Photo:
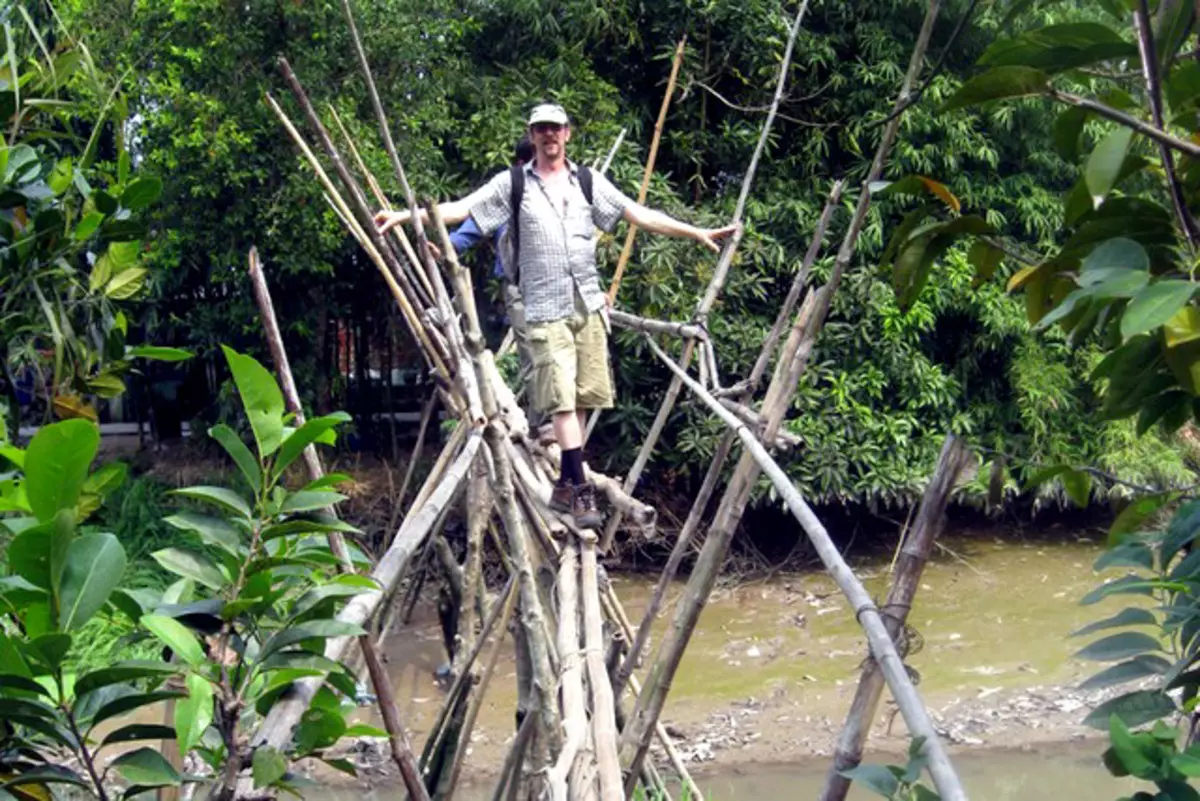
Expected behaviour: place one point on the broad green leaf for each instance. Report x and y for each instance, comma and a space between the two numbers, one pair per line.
10, 682
261, 399
1112, 257
194, 566
1067, 130
999, 83
1139, 667
61, 176
157, 353
106, 479
1155, 305
319, 728
1056, 48
193, 714
1183, 528
1127, 554
305, 631
1118, 647
1104, 165
268, 766
145, 767
50, 649
1132, 752
56, 465
1187, 764
125, 284
1135, 709
176, 637
129, 670
212, 530
241, 455
95, 565
310, 501
127, 703
221, 496
363, 730
302, 437
39, 552
1137, 513
86, 227
291, 527
17, 707
876, 778
141, 193
42, 774
1184, 327
1127, 585
1131, 616
985, 259
326, 481
917, 185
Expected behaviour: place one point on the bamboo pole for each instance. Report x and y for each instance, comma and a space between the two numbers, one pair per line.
479, 513
883, 650
401, 750
627, 249
931, 517
724, 447
604, 716
570, 676
715, 284
647, 325
737, 494
612, 151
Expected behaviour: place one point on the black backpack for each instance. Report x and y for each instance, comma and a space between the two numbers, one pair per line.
517, 174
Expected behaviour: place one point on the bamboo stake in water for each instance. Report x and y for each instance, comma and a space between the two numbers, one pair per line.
883, 649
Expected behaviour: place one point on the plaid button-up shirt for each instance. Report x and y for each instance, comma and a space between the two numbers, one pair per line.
558, 249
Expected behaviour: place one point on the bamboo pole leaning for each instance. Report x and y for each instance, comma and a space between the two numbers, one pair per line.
627, 248
715, 284
883, 649
708, 485
914, 554
400, 748
635, 739
570, 678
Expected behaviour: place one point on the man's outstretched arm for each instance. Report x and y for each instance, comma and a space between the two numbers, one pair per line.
658, 223
453, 211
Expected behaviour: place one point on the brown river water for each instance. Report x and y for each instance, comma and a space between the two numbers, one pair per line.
767, 678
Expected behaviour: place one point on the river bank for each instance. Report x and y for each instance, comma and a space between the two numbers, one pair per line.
773, 664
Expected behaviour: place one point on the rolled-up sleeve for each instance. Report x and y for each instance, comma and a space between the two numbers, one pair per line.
608, 202
491, 205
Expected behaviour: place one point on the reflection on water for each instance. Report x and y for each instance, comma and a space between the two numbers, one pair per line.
1060, 773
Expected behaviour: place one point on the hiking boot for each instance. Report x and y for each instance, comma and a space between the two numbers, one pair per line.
561, 498
583, 508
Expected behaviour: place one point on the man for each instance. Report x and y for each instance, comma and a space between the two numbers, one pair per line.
467, 236
555, 260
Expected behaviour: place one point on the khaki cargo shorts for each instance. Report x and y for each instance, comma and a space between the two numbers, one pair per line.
570, 363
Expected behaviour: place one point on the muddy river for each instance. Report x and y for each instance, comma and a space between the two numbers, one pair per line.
762, 690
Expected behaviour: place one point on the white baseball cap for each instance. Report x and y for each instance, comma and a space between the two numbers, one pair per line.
548, 112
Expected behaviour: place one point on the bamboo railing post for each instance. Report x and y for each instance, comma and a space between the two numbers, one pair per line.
883, 649
604, 716
914, 555
397, 737
627, 249
724, 446
636, 738
715, 284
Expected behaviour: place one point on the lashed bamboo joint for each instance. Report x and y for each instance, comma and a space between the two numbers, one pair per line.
572, 740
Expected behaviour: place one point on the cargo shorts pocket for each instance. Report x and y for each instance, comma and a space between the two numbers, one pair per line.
552, 350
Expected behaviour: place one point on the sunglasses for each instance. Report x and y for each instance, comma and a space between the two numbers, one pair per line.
546, 127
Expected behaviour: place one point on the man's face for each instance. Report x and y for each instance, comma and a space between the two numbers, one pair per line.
549, 138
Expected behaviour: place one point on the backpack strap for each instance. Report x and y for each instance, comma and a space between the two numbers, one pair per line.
517, 192
585, 182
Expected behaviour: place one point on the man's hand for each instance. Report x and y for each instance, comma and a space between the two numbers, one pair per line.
434, 251
387, 220
710, 236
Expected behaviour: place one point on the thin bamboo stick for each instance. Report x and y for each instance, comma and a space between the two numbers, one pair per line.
612, 151
627, 249
648, 325
931, 517
397, 737
715, 284
882, 647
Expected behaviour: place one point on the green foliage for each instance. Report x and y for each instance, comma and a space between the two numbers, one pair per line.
1151, 642
893, 781
256, 596
71, 253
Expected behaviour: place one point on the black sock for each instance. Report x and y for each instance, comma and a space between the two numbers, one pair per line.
572, 467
